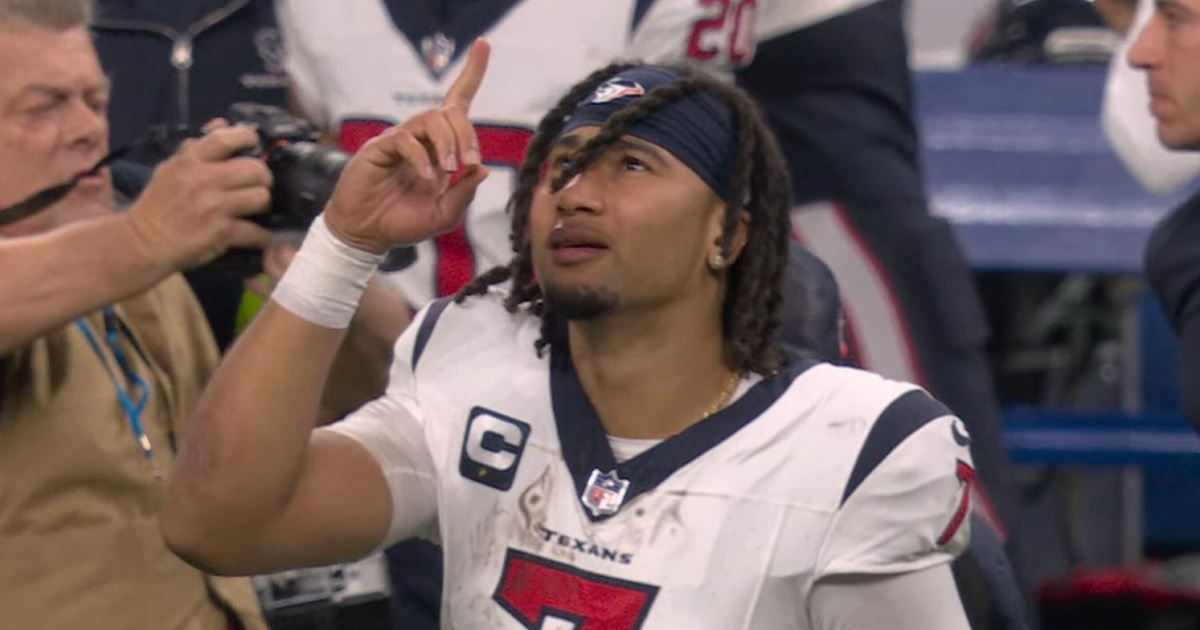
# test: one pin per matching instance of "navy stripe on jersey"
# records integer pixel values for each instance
(585, 444)
(459, 22)
(426, 330)
(639, 13)
(904, 417)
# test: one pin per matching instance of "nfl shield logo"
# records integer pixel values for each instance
(437, 51)
(604, 493)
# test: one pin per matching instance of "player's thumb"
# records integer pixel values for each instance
(460, 194)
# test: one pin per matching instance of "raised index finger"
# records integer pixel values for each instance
(467, 84)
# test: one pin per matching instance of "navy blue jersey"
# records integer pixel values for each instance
(181, 63)
(1173, 269)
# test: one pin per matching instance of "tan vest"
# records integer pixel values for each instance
(79, 539)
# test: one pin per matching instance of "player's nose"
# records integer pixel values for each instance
(582, 193)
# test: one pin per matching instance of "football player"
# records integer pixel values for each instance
(832, 79)
(616, 440)
(839, 101)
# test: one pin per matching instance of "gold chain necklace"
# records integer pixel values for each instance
(605, 491)
(725, 397)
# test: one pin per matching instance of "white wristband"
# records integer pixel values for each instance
(326, 279)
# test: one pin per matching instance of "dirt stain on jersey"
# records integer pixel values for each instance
(502, 529)
(669, 521)
(534, 501)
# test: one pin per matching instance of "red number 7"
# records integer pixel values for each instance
(541, 593)
(966, 476)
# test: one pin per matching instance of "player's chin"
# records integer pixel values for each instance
(551, 273)
(578, 301)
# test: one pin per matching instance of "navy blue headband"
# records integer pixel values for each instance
(698, 129)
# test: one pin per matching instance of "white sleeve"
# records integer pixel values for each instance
(299, 61)
(911, 510)
(1131, 129)
(391, 428)
(920, 600)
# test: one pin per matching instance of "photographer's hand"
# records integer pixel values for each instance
(415, 180)
(192, 210)
(188, 214)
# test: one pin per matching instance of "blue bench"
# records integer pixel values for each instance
(1015, 157)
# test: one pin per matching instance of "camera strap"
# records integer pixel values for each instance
(47, 197)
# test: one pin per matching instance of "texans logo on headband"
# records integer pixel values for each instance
(696, 127)
(614, 89)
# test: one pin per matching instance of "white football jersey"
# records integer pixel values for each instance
(813, 472)
(359, 66)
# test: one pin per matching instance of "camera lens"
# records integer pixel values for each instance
(305, 176)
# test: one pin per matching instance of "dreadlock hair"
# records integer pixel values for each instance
(753, 300)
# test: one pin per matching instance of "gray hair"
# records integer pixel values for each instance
(57, 15)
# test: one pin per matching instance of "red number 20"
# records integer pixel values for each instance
(542, 594)
(741, 34)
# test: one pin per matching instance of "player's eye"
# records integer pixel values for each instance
(631, 163)
(554, 166)
(561, 162)
(1172, 16)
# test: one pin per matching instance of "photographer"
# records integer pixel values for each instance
(174, 65)
(103, 348)
(1166, 49)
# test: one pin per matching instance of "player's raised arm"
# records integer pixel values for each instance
(254, 489)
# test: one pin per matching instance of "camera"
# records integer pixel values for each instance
(305, 171)
(305, 174)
